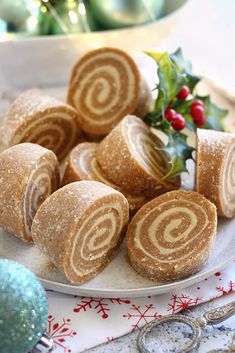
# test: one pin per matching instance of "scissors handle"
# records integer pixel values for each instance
(217, 315)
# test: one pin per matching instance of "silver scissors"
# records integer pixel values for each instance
(211, 317)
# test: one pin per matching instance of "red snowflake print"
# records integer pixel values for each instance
(141, 315)
(229, 289)
(182, 302)
(101, 305)
(60, 332)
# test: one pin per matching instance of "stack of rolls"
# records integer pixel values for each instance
(106, 85)
(132, 157)
(80, 226)
(82, 165)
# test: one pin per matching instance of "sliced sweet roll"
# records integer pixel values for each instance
(106, 85)
(131, 156)
(29, 173)
(215, 173)
(37, 118)
(82, 165)
(79, 228)
(170, 237)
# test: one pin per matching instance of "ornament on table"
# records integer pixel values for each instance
(23, 310)
(62, 17)
(20, 16)
(44, 17)
(124, 13)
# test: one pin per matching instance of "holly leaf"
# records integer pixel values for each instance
(173, 73)
(189, 123)
(214, 114)
(159, 122)
(179, 151)
(185, 66)
(170, 81)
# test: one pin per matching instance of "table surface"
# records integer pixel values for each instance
(207, 37)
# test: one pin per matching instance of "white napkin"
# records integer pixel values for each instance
(77, 323)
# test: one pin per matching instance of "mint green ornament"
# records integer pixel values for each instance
(20, 16)
(124, 13)
(23, 310)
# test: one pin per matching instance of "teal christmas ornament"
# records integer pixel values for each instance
(23, 310)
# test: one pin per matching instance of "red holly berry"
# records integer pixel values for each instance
(197, 112)
(183, 93)
(197, 103)
(170, 114)
(178, 123)
(200, 120)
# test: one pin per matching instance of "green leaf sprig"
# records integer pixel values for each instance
(174, 72)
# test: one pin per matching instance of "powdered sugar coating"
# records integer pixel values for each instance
(82, 165)
(29, 173)
(170, 238)
(105, 85)
(80, 226)
(216, 169)
(131, 156)
(38, 118)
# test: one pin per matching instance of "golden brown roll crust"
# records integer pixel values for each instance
(37, 118)
(130, 157)
(82, 165)
(215, 174)
(29, 173)
(105, 85)
(170, 237)
(80, 227)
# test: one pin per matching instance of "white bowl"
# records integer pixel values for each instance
(22, 60)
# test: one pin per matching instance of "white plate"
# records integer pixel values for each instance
(118, 279)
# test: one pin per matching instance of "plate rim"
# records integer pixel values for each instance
(71, 289)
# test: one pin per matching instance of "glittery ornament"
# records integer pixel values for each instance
(23, 308)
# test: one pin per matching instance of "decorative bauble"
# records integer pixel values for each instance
(20, 16)
(14, 11)
(92, 23)
(23, 308)
(123, 13)
(67, 19)
(63, 17)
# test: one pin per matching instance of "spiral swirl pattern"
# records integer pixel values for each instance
(41, 183)
(98, 234)
(147, 148)
(29, 173)
(84, 166)
(80, 226)
(170, 237)
(55, 131)
(104, 87)
(132, 157)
